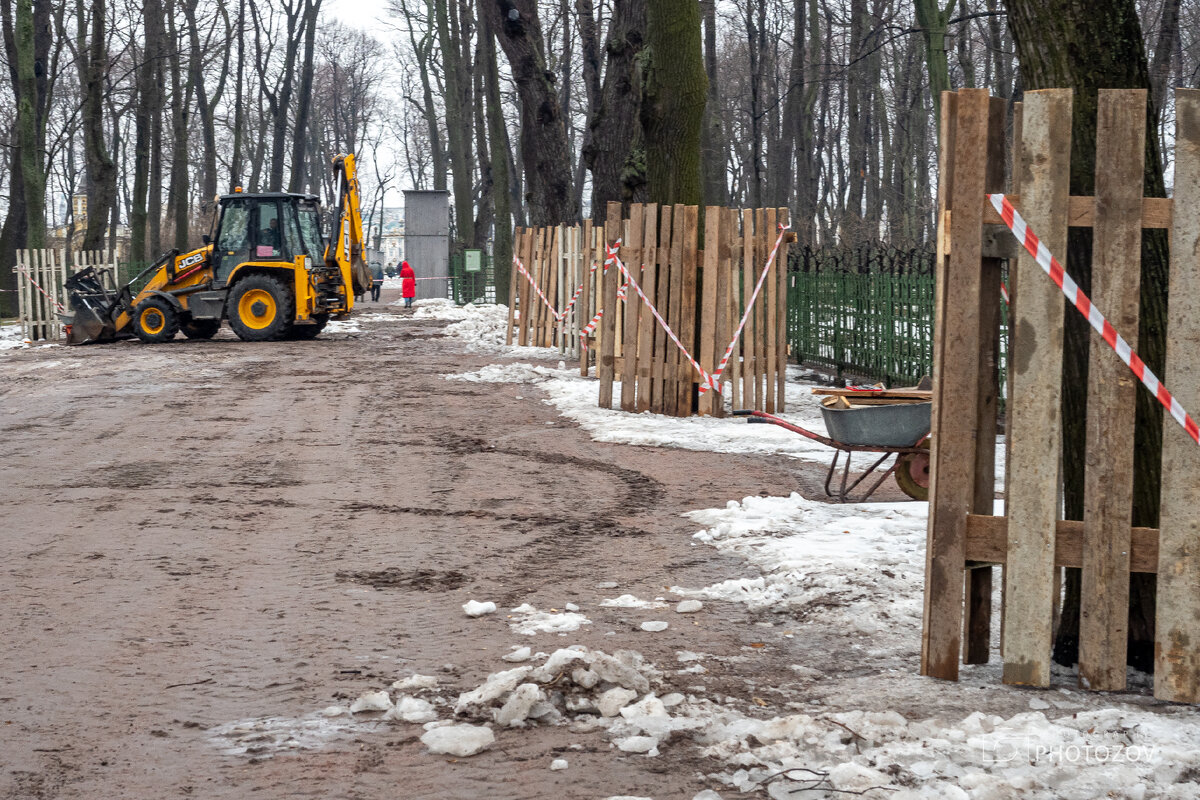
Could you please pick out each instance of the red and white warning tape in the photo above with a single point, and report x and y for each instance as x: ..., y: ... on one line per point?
x: 706, y: 380
x: 716, y: 381
x: 590, y: 328
x: 559, y: 316
x: 1051, y: 267
x: 40, y: 289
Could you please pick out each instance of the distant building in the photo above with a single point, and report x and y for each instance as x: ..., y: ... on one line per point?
x: 70, y: 236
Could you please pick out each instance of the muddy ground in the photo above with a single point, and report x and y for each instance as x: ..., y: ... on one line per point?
x: 199, y: 533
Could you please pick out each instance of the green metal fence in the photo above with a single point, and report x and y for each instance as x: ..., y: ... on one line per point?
x: 867, y: 314
x: 873, y: 325
x: 474, y: 286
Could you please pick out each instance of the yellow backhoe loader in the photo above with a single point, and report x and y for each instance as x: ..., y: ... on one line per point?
x: 268, y: 270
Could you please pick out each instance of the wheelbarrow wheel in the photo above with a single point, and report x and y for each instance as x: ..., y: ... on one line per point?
x: 912, y: 473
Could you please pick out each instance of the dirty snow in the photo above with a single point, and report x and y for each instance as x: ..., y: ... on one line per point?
x: 528, y: 620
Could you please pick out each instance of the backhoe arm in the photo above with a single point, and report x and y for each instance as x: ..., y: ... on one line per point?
x: 346, y: 241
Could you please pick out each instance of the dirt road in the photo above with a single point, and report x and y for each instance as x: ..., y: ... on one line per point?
x: 199, y: 534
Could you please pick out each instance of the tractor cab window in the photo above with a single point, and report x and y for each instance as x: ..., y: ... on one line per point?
x: 233, y: 238
x: 310, y: 231
x: 269, y: 245
x: 291, y: 232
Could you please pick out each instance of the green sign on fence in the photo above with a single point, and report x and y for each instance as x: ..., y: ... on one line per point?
x: 473, y: 261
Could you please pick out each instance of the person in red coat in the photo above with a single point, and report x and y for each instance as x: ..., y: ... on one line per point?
x: 408, y: 284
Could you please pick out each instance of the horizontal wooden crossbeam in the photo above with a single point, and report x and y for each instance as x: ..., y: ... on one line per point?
x: 987, y: 543
x: 1081, y: 211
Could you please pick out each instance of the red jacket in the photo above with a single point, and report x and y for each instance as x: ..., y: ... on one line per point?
x: 408, y: 286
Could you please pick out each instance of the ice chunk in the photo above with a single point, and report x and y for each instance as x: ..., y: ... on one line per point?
x: 606, y: 585
x: 497, y: 684
x: 558, y: 662
x: 558, y: 763
x: 584, y: 678
x: 458, y: 740
x: 571, y: 607
x: 414, y: 710
x: 518, y: 655
x: 654, y: 626
x: 415, y: 683
x: 636, y: 744
x: 371, y: 701
x: 614, y: 671
x: 333, y: 711
x: 630, y: 601
x: 476, y: 609
x: 673, y: 699
x: 611, y: 702
x: 516, y: 709
x: 688, y: 607
x: 648, y: 706
x: 1038, y: 704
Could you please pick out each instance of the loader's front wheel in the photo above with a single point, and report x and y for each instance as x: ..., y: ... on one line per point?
x: 201, y: 328
x: 155, y: 320
x: 261, y: 308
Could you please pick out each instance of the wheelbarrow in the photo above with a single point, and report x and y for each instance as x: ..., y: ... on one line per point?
x: 900, y: 430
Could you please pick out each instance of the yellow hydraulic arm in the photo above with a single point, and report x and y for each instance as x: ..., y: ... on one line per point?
x: 346, y: 242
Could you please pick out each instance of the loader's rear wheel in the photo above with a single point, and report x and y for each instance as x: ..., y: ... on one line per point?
x: 155, y: 320
x: 261, y: 308
x: 304, y: 332
x: 201, y: 328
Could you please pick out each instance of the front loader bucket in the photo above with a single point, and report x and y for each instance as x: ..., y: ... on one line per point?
x: 94, y: 308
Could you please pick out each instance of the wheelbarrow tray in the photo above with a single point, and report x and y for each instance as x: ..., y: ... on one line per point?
x: 898, y: 425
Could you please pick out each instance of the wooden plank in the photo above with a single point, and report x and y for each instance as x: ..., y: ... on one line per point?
x: 512, y: 292
x: 724, y: 329
x: 608, y: 323
x: 663, y: 303
x: 771, y: 311
x: 707, y: 336
x: 734, y: 294
x: 987, y: 541
x: 686, y: 386
x: 525, y: 317
x: 750, y: 398
x: 1177, y: 620
x: 585, y: 300
x: 647, y: 323
x: 781, y: 274
x: 631, y: 254
x: 1081, y: 211
x: 760, y: 317
x: 558, y: 281
x: 955, y: 385
x: 977, y: 626
x: 1035, y: 374
x: 674, y: 374
x: 1108, y: 484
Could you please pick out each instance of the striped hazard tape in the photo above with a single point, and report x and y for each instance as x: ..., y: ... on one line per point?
x: 40, y: 289
x: 559, y: 316
x: 706, y: 380
x: 1083, y: 305
x: 716, y: 379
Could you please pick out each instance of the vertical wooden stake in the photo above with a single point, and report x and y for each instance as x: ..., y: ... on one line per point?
x: 708, y: 301
x: 646, y: 322
x: 1034, y: 439
x: 687, y: 311
x: 1108, y: 484
x: 750, y: 397
x: 1177, y: 614
x: 606, y: 361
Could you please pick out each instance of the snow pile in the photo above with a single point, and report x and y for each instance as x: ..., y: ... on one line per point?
x: 528, y: 620
x: 440, y: 308
x: 506, y: 373
x: 631, y: 601
x: 859, y: 568
x: 1124, y: 753
x: 343, y: 326
x: 458, y: 740
x: 11, y: 338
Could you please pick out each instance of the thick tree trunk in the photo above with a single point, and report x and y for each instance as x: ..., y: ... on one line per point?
x: 674, y: 91
x: 304, y: 96
x: 547, y: 160
x: 30, y: 133
x: 459, y: 121
x: 716, y: 190
x: 1087, y: 45
x: 613, y: 152
x: 502, y: 244
x: 932, y: 19
x: 101, y: 169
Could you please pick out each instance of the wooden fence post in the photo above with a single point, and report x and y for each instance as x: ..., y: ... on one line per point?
x: 606, y: 361
x: 708, y: 302
x: 662, y: 353
x: 1035, y: 406
x: 1177, y: 635
x: 1108, y: 484
x: 631, y: 255
x: 646, y: 325
x: 965, y: 118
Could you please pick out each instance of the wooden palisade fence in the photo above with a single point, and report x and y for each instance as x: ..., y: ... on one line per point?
x: 41, y: 295
x: 699, y: 287
x: 1031, y: 542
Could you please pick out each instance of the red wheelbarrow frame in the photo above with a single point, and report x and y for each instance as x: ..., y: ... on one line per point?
x: 843, y: 493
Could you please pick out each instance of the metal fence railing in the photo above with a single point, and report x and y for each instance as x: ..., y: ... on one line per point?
x: 867, y: 312
x: 474, y: 286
